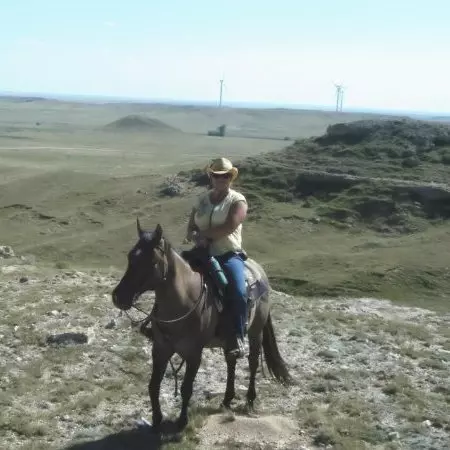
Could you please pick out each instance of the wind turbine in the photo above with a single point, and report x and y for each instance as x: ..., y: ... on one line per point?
x: 222, y: 85
x: 339, y: 96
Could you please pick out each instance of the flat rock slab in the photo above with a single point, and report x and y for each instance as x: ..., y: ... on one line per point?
x: 67, y: 338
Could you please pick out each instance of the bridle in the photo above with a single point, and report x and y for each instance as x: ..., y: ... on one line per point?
x: 151, y: 315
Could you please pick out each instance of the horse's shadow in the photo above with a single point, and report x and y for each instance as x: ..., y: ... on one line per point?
x: 142, y: 438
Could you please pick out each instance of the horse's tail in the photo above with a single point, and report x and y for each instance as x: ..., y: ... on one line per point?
x: 275, y: 363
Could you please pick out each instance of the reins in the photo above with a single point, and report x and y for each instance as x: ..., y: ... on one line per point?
x: 151, y: 315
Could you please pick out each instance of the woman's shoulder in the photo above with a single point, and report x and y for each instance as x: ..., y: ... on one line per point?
x: 237, y: 196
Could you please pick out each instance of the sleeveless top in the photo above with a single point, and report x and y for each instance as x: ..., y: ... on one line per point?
x: 207, y: 215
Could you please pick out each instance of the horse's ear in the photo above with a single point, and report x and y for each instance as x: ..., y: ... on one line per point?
x: 158, y: 233
x: 139, y: 228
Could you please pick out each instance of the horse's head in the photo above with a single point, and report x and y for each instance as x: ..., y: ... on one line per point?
x: 147, y: 267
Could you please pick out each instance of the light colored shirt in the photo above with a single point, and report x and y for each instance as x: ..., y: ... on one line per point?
x: 208, y: 215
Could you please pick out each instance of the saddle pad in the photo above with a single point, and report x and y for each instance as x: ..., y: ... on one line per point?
x: 256, y: 287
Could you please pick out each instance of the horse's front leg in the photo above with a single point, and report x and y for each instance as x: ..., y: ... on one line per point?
x: 160, y: 357
x: 192, y: 365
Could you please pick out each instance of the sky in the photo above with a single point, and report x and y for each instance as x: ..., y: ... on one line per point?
x: 389, y: 54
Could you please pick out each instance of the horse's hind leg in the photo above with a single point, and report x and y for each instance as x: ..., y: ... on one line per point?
x: 192, y: 365
x: 255, y: 343
x: 231, y: 373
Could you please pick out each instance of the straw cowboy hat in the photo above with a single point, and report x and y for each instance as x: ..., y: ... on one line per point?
x: 221, y: 166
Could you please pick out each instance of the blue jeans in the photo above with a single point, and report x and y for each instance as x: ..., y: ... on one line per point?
x: 234, y: 269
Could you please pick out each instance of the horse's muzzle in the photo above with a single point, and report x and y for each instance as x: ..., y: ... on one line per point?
x: 118, y: 302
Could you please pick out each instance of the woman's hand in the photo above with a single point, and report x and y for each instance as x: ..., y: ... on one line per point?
x: 189, y: 237
x: 200, y: 239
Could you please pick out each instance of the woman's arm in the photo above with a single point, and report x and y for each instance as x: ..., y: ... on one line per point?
x: 191, y: 226
x: 236, y: 215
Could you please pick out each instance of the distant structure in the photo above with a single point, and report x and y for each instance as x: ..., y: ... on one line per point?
x: 221, y: 93
x: 219, y: 131
x: 339, y: 97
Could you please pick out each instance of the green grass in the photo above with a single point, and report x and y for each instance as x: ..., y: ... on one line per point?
x: 374, y: 234
x: 345, y: 240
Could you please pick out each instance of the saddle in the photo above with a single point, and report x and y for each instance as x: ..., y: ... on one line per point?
x: 256, y: 284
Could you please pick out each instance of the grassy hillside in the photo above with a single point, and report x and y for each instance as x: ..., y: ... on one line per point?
x: 344, y: 213
x: 347, y: 214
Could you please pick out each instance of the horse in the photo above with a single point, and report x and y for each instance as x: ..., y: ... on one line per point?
x: 186, y: 319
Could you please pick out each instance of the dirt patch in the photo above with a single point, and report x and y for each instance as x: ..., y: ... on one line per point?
x: 223, y: 431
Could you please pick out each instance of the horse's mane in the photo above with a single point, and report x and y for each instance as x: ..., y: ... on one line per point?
x: 172, y: 254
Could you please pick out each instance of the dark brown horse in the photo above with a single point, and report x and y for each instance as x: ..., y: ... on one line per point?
x: 187, y: 318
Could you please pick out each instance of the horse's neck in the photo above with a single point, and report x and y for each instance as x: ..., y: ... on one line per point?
x: 182, y: 287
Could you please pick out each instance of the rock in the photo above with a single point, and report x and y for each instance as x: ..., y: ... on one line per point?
x: 143, y: 423
x: 23, y: 279
x: 394, y: 435
x: 172, y: 187
x: 111, y: 324
x: 427, y: 423
x: 211, y: 394
x: 44, y: 404
x: 172, y: 190
x: 6, y: 252
x: 315, y: 220
x: 74, y: 274
x: 67, y: 338
x: 328, y: 354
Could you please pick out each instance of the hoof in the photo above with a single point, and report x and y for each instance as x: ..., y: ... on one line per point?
x: 156, y: 429
x: 156, y: 424
x: 229, y: 415
x: 226, y: 405
x: 181, y: 423
x: 250, y: 410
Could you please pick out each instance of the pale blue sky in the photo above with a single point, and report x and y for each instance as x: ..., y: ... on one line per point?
x: 391, y: 54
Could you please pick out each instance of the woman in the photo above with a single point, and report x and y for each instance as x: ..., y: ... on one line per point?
x: 217, y: 220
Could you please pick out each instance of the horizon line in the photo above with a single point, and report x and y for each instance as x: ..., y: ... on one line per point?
x: 98, y: 98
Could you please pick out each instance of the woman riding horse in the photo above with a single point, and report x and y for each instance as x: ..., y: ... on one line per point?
x: 185, y: 319
x: 216, y: 222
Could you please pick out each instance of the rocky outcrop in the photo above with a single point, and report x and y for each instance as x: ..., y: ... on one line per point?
x: 422, y: 135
